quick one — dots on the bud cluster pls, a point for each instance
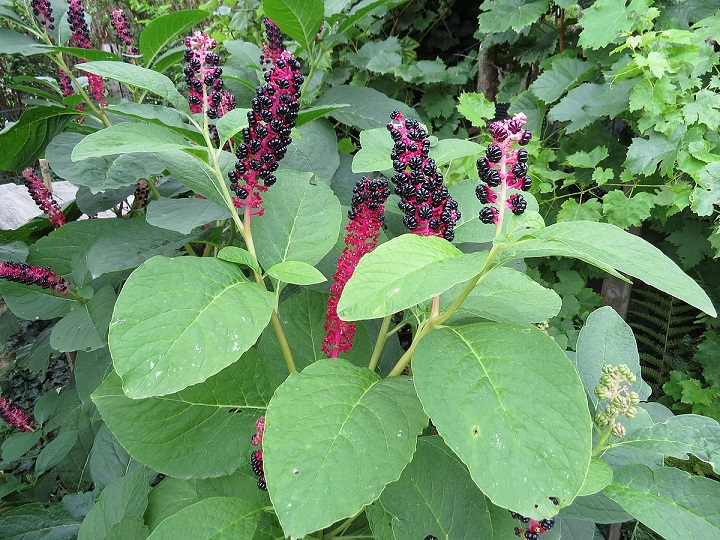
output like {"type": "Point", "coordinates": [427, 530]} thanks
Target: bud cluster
{"type": "Point", "coordinates": [270, 122]}
{"type": "Point", "coordinates": [256, 458]}
{"type": "Point", "coordinates": [123, 32]}
{"type": "Point", "coordinates": [621, 401]}
{"type": "Point", "coordinates": [42, 9]}
{"type": "Point", "coordinates": [504, 167]}
{"type": "Point", "coordinates": [202, 75]}
{"type": "Point", "coordinates": [428, 207]}
{"type": "Point", "coordinates": [366, 214]}
{"type": "Point", "coordinates": [532, 529]}
{"type": "Point", "coordinates": [43, 198]}
{"type": "Point", "coordinates": [14, 415]}
{"type": "Point", "coordinates": [81, 38]}
{"type": "Point", "coordinates": [28, 274]}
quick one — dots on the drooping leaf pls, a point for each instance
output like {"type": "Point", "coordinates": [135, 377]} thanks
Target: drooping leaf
{"type": "Point", "coordinates": [12, 42]}
{"type": "Point", "coordinates": [433, 490]}
{"type": "Point", "coordinates": [563, 74]}
{"type": "Point", "coordinates": [301, 20]}
{"type": "Point", "coordinates": [198, 176]}
{"type": "Point", "coordinates": [331, 426]}
{"type": "Point", "coordinates": [301, 220]}
{"type": "Point", "coordinates": [500, 396]}
{"type": "Point", "coordinates": [238, 255]}
{"type": "Point", "coordinates": [35, 520]}
{"type": "Point", "coordinates": [164, 29]}
{"type": "Point", "coordinates": [55, 451]}
{"type": "Point", "coordinates": [183, 215]}
{"type": "Point", "coordinates": [403, 272]}
{"type": "Point", "coordinates": [171, 433]}
{"type": "Point", "coordinates": [668, 500]}
{"type": "Point", "coordinates": [613, 250]}
{"type": "Point", "coordinates": [173, 310]}
{"type": "Point", "coordinates": [85, 328]}
{"type": "Point", "coordinates": [369, 108]}
{"type": "Point", "coordinates": [127, 138]}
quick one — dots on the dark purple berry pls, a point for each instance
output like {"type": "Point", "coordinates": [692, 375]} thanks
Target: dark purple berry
{"type": "Point", "coordinates": [526, 136]}
{"type": "Point", "coordinates": [481, 192]}
{"type": "Point", "coordinates": [494, 153]}
{"type": "Point", "coordinates": [487, 215]}
{"type": "Point", "coordinates": [492, 178]}
{"type": "Point", "coordinates": [526, 183]}
{"type": "Point", "coordinates": [522, 155]}
{"type": "Point", "coordinates": [517, 204]}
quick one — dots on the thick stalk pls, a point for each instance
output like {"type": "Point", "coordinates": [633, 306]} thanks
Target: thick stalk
{"type": "Point", "coordinates": [380, 343]}
{"type": "Point", "coordinates": [600, 445]}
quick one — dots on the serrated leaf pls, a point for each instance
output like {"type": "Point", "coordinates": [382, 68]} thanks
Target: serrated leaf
{"type": "Point", "coordinates": [198, 307]}
{"type": "Point", "coordinates": [563, 74]}
{"type": "Point", "coordinates": [602, 23]}
{"type": "Point", "coordinates": [626, 212]}
{"type": "Point", "coordinates": [330, 426]}
{"type": "Point", "coordinates": [644, 155]}
{"type": "Point", "coordinates": [403, 272]}
{"type": "Point", "coordinates": [587, 160]}
{"type": "Point", "coordinates": [501, 15]}
{"type": "Point", "coordinates": [171, 433]}
{"type": "Point", "coordinates": [589, 210]}
{"type": "Point", "coordinates": [301, 220]}
{"type": "Point", "coordinates": [706, 194]}
{"type": "Point", "coordinates": [296, 272]}
{"type": "Point", "coordinates": [164, 29]}
{"type": "Point", "coordinates": [301, 20]}
{"type": "Point", "coordinates": [475, 108]}
{"type": "Point", "coordinates": [669, 501]}
{"type": "Point", "coordinates": [482, 371]}
{"type": "Point", "coordinates": [139, 77]}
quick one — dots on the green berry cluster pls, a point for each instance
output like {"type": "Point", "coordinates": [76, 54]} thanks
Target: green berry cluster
{"type": "Point", "coordinates": [621, 401]}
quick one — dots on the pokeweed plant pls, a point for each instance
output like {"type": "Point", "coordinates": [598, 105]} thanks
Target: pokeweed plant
{"type": "Point", "coordinates": [209, 352]}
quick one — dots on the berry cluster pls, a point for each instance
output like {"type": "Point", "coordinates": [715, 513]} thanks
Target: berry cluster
{"type": "Point", "coordinates": [366, 214]}
{"type": "Point", "coordinates": [503, 168]}
{"type": "Point", "coordinates": [429, 210]}
{"type": "Point", "coordinates": [123, 32]}
{"type": "Point", "coordinates": [256, 458]}
{"type": "Point", "coordinates": [15, 416]}
{"type": "Point", "coordinates": [66, 85]}
{"type": "Point", "coordinates": [532, 529]}
{"type": "Point", "coordinates": [621, 400]}
{"type": "Point", "coordinates": [202, 76]}
{"type": "Point", "coordinates": [81, 38]}
{"type": "Point", "coordinates": [33, 275]}
{"type": "Point", "coordinates": [140, 198]}
{"type": "Point", "coordinates": [43, 198]}
{"type": "Point", "coordinates": [42, 9]}
{"type": "Point", "coordinates": [274, 47]}
{"type": "Point", "coordinates": [274, 113]}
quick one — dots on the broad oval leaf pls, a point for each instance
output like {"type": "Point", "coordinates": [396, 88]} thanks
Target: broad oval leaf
{"type": "Point", "coordinates": [611, 249]}
{"type": "Point", "coordinates": [296, 272]}
{"type": "Point", "coordinates": [179, 321]}
{"type": "Point", "coordinates": [301, 220]}
{"type": "Point", "coordinates": [403, 272]}
{"type": "Point", "coordinates": [140, 77]}
{"type": "Point", "coordinates": [301, 20]}
{"type": "Point", "coordinates": [238, 255]}
{"type": "Point", "coordinates": [31, 303]}
{"type": "Point", "coordinates": [55, 451]}
{"type": "Point", "coordinates": [333, 426]}
{"type": "Point", "coordinates": [161, 31]}
{"type": "Point", "coordinates": [433, 490]}
{"type": "Point", "coordinates": [183, 215]}
{"type": "Point", "coordinates": [216, 518]}
{"type": "Point", "coordinates": [171, 433]}
{"type": "Point", "coordinates": [369, 108]}
{"type": "Point", "coordinates": [599, 475]}
{"type": "Point", "coordinates": [127, 138]}
{"type": "Point", "coordinates": [510, 404]}
{"type": "Point", "coordinates": [36, 520]}
{"type": "Point", "coordinates": [668, 500]}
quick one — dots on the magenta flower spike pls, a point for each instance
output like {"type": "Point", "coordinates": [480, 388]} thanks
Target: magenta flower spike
{"type": "Point", "coordinates": [43, 198]}
{"type": "Point", "coordinates": [428, 207]}
{"type": "Point", "coordinates": [202, 75]}
{"type": "Point", "coordinates": [270, 122]}
{"type": "Point", "coordinates": [81, 39]}
{"type": "Point", "coordinates": [123, 33]}
{"type": "Point", "coordinates": [256, 458]}
{"type": "Point", "coordinates": [274, 46]}
{"type": "Point", "coordinates": [504, 167]}
{"type": "Point", "coordinates": [42, 9]}
{"type": "Point", "coordinates": [366, 214]}
{"type": "Point", "coordinates": [15, 416]}
{"type": "Point", "coordinates": [28, 274]}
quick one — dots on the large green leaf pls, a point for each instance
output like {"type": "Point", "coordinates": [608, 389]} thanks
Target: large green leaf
{"type": "Point", "coordinates": [179, 321]}
{"type": "Point", "coordinates": [26, 140]}
{"type": "Point", "coordinates": [172, 433]}
{"type": "Point", "coordinates": [109, 461]}
{"type": "Point", "coordinates": [596, 508]}
{"type": "Point", "coordinates": [39, 521]}
{"type": "Point", "coordinates": [196, 175]}
{"type": "Point", "coordinates": [315, 151]}
{"type": "Point", "coordinates": [602, 23]}
{"type": "Point", "coordinates": [669, 501]}
{"type": "Point", "coordinates": [139, 77]}
{"type": "Point", "coordinates": [331, 427]}
{"type": "Point", "coordinates": [501, 396]}
{"type": "Point", "coordinates": [607, 339]}
{"type": "Point", "coordinates": [299, 19]}
{"type": "Point", "coordinates": [12, 42]}
{"type": "Point", "coordinates": [55, 451]}
{"type": "Point", "coordinates": [30, 302]}
{"type": "Point", "coordinates": [677, 437]}
{"type": "Point", "coordinates": [85, 328]}
{"type": "Point", "coordinates": [183, 215]}
{"type": "Point", "coordinates": [127, 138]}
{"type": "Point", "coordinates": [501, 15]}
{"type": "Point", "coordinates": [554, 82]}
{"type": "Point", "coordinates": [161, 31]}
{"type": "Point", "coordinates": [301, 220]}
{"type": "Point", "coordinates": [403, 272]}
{"type": "Point", "coordinates": [127, 497]}
{"type": "Point", "coordinates": [613, 250]}
{"type": "Point", "coordinates": [374, 154]}
{"type": "Point", "coordinates": [216, 518]}
{"type": "Point", "coordinates": [369, 108]}
{"type": "Point", "coordinates": [433, 490]}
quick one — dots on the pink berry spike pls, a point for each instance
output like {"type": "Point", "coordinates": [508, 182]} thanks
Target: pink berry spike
{"type": "Point", "coordinates": [81, 39]}
{"type": "Point", "coordinates": [28, 274]}
{"type": "Point", "coordinates": [15, 416]}
{"type": "Point", "coordinates": [43, 198]}
{"type": "Point", "coordinates": [123, 33]}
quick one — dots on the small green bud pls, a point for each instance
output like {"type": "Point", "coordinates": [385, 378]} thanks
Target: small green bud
{"type": "Point", "coordinates": [611, 411]}
{"type": "Point", "coordinates": [619, 402]}
{"type": "Point", "coordinates": [618, 430]}
{"type": "Point", "coordinates": [601, 419]}
{"type": "Point", "coordinates": [601, 392]}
{"type": "Point", "coordinates": [606, 381]}
{"type": "Point", "coordinates": [626, 372]}
{"type": "Point", "coordinates": [631, 412]}
{"type": "Point", "coordinates": [634, 398]}
{"type": "Point", "coordinates": [607, 369]}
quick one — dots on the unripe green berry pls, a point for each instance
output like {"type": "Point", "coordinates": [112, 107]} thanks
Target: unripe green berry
{"type": "Point", "coordinates": [618, 430]}
{"type": "Point", "coordinates": [611, 411]}
{"type": "Point", "coordinates": [631, 412]}
{"type": "Point", "coordinates": [619, 402]}
{"type": "Point", "coordinates": [608, 369]}
{"type": "Point", "coordinates": [601, 419]}
{"type": "Point", "coordinates": [601, 392]}
{"type": "Point", "coordinates": [606, 381]}
{"type": "Point", "coordinates": [634, 398]}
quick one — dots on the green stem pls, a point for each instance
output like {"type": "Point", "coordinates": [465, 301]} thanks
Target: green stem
{"type": "Point", "coordinates": [600, 445]}
{"type": "Point", "coordinates": [405, 358]}
{"type": "Point", "coordinates": [58, 59]}
{"type": "Point", "coordinates": [343, 526]}
{"type": "Point", "coordinates": [380, 343]}
{"type": "Point", "coordinates": [189, 249]}
{"type": "Point", "coordinates": [153, 188]}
